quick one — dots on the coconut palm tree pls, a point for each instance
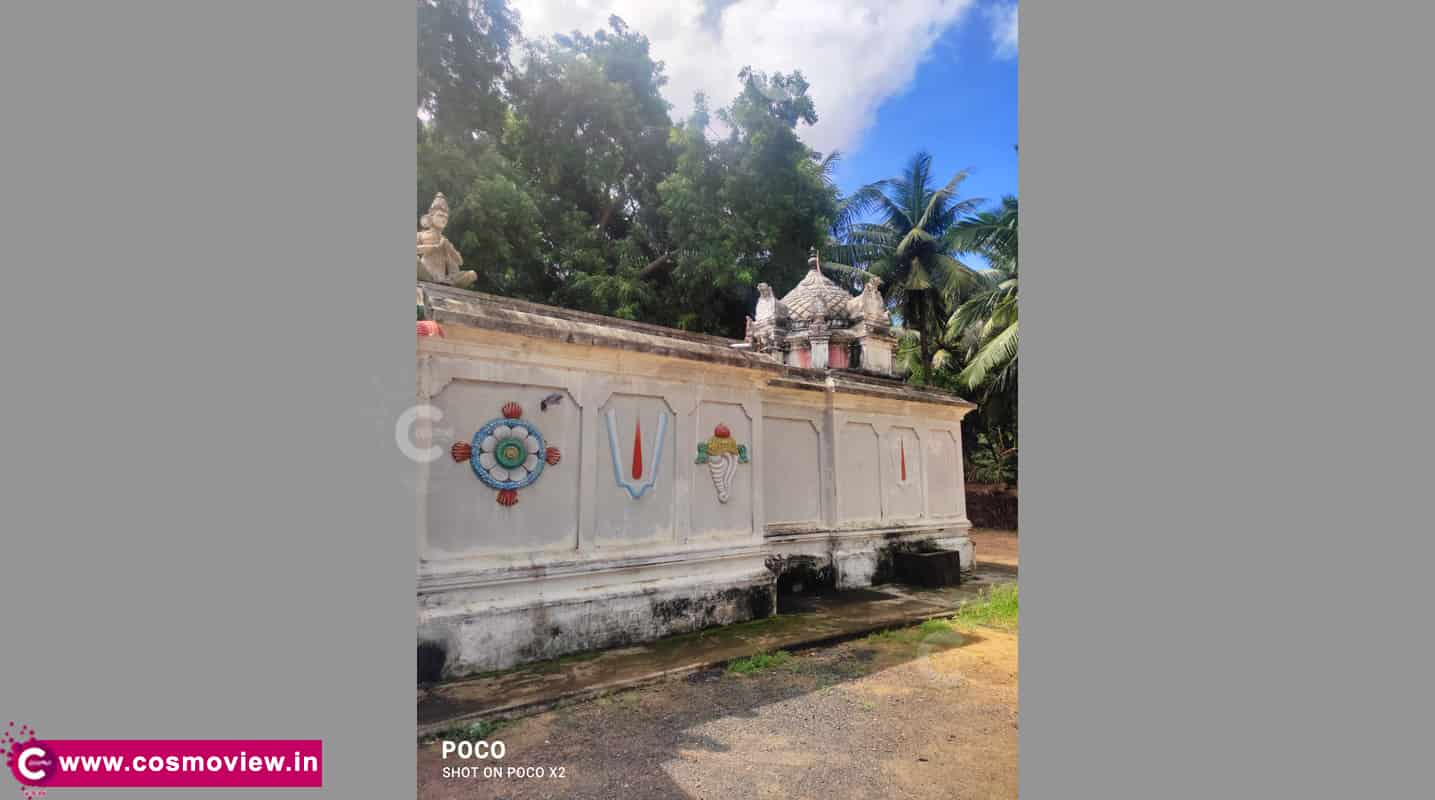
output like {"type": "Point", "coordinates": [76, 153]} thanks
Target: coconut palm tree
{"type": "Point", "coordinates": [984, 324]}
{"type": "Point", "coordinates": [911, 246]}
{"type": "Point", "coordinates": [980, 342]}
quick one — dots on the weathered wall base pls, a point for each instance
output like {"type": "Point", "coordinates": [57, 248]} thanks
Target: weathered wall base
{"type": "Point", "coordinates": [863, 558]}
{"type": "Point", "coordinates": [541, 618]}
{"type": "Point", "coordinates": [491, 622]}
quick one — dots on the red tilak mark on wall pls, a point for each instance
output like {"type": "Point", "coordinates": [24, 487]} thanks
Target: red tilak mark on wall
{"type": "Point", "coordinates": [637, 450]}
{"type": "Point", "coordinates": [903, 444]}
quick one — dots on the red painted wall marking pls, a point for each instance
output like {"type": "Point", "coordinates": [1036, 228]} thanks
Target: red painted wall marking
{"type": "Point", "coordinates": [903, 444]}
{"type": "Point", "coordinates": [637, 449]}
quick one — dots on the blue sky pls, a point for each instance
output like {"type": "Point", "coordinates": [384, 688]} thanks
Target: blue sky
{"type": "Point", "coordinates": [961, 107]}
{"type": "Point", "coordinates": [889, 77]}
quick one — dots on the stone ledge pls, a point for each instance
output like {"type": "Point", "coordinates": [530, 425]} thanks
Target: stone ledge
{"type": "Point", "coordinates": [448, 305]}
{"type": "Point", "coordinates": [464, 577]}
{"type": "Point", "coordinates": [781, 532]}
{"type": "Point", "coordinates": [545, 627]}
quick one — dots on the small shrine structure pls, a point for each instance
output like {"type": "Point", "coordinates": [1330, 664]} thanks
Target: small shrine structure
{"type": "Point", "coordinates": [820, 325]}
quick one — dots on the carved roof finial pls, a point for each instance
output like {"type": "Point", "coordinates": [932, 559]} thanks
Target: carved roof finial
{"type": "Point", "coordinates": [440, 203]}
{"type": "Point", "coordinates": [813, 260]}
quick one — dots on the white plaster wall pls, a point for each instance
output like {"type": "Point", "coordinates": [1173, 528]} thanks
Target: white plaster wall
{"type": "Point", "coordinates": [580, 556]}
{"type": "Point", "coordinates": [859, 478]}
{"type": "Point", "coordinates": [903, 496]}
{"type": "Point", "coordinates": [712, 519]}
{"type": "Point", "coordinates": [621, 520]}
{"type": "Point", "coordinates": [643, 607]}
{"type": "Point", "coordinates": [463, 516]}
{"type": "Point", "coordinates": [791, 467]}
{"type": "Point", "coordinates": [946, 490]}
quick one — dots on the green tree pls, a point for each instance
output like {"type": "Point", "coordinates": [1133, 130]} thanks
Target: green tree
{"type": "Point", "coordinates": [590, 125]}
{"type": "Point", "coordinates": [590, 129]}
{"type": "Point", "coordinates": [744, 207]}
{"type": "Point", "coordinates": [911, 246]}
{"type": "Point", "coordinates": [592, 198]}
{"type": "Point", "coordinates": [495, 222]}
{"type": "Point", "coordinates": [986, 321]}
{"type": "Point", "coordinates": [981, 338]}
{"type": "Point", "coordinates": [462, 59]}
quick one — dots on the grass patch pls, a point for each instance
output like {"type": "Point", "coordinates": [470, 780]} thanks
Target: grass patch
{"type": "Point", "coordinates": [481, 729]}
{"type": "Point", "coordinates": [931, 626]}
{"type": "Point", "coordinates": [912, 633]}
{"type": "Point", "coordinates": [995, 608]}
{"type": "Point", "coordinates": [759, 662]}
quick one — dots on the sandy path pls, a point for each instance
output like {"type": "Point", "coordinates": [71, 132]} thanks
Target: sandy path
{"type": "Point", "coordinates": [897, 717]}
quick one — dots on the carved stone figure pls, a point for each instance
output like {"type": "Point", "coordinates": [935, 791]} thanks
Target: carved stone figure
{"type": "Point", "coordinates": [768, 306]}
{"type": "Point", "coordinates": [869, 305]}
{"type": "Point", "coordinates": [438, 259]}
{"type": "Point", "coordinates": [818, 329]}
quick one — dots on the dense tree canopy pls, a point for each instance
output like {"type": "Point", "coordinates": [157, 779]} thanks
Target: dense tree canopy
{"type": "Point", "coordinates": [571, 184]}
{"type": "Point", "coordinates": [463, 56]}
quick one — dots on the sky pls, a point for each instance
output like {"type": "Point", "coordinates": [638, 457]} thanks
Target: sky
{"type": "Point", "coordinates": [889, 77]}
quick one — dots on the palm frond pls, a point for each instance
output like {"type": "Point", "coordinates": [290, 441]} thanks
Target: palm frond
{"type": "Point", "coordinates": [854, 207]}
{"type": "Point", "coordinates": [914, 237]}
{"type": "Point", "coordinates": [867, 233]}
{"type": "Point", "coordinates": [913, 185]}
{"type": "Point", "coordinates": [847, 271]}
{"type": "Point", "coordinates": [937, 204]}
{"type": "Point", "coordinates": [997, 351]}
{"type": "Point", "coordinates": [954, 278]}
{"type": "Point", "coordinates": [861, 253]}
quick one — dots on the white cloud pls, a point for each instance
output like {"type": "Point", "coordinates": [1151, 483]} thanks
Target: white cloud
{"type": "Point", "coordinates": [1003, 19]}
{"type": "Point", "coordinates": [855, 54]}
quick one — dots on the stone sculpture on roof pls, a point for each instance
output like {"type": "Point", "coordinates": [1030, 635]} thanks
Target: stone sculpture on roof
{"type": "Point", "coordinates": [439, 260]}
{"type": "Point", "coordinates": [869, 305]}
{"type": "Point", "coordinates": [821, 325]}
{"type": "Point", "coordinates": [768, 306]}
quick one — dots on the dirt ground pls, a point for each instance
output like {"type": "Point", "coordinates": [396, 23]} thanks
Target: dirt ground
{"type": "Point", "coordinates": [907, 714]}
{"type": "Point", "coordinates": [994, 547]}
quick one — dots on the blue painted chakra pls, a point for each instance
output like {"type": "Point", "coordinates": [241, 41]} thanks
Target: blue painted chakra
{"type": "Point", "coordinates": [507, 454]}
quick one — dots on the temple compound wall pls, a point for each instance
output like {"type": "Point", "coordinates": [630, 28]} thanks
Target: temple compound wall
{"type": "Point", "coordinates": [605, 482]}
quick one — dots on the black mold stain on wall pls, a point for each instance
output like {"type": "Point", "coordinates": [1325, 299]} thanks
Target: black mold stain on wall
{"type": "Point", "coordinates": [431, 660]}
{"type": "Point", "coordinates": [801, 575]}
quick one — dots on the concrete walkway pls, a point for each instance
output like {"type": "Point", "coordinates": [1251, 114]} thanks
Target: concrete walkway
{"type": "Point", "coordinates": [818, 620]}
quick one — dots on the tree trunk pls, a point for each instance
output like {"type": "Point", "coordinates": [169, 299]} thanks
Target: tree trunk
{"type": "Point", "coordinates": [655, 265]}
